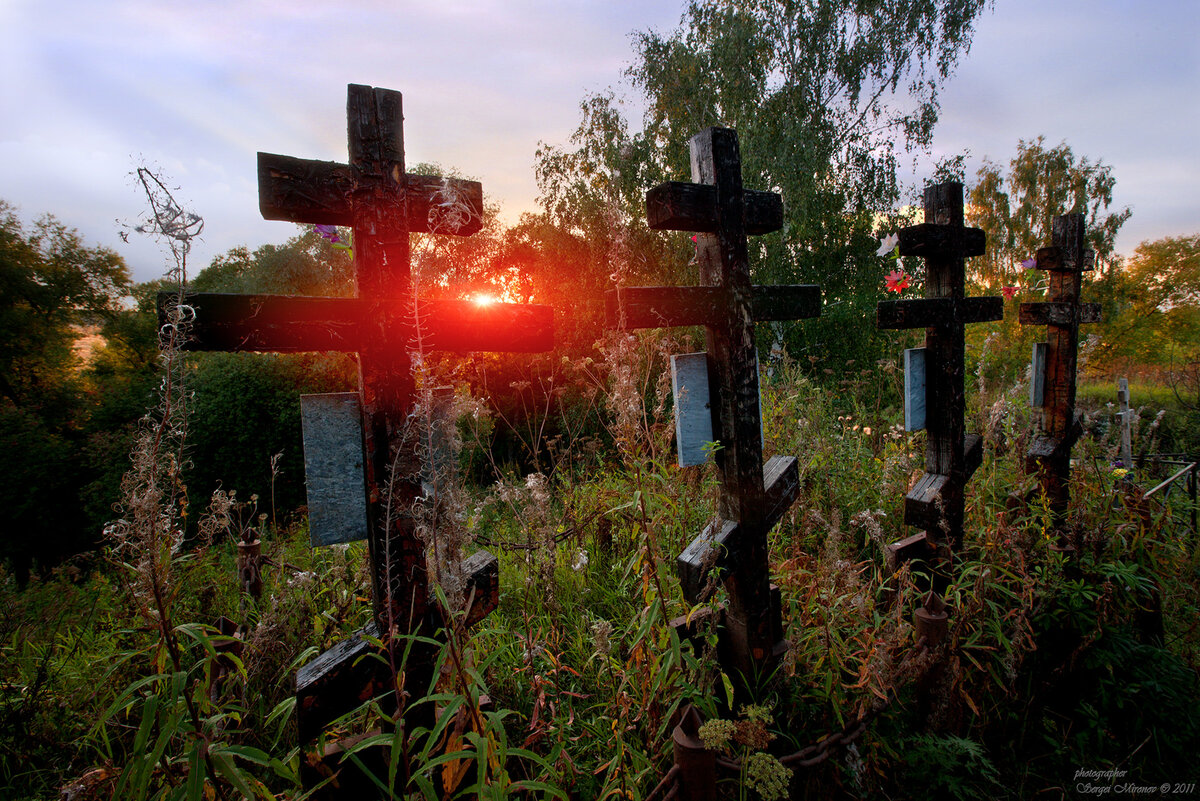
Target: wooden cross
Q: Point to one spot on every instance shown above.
(1062, 313)
(383, 204)
(753, 497)
(936, 504)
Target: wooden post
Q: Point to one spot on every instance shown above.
(753, 496)
(1126, 424)
(1062, 313)
(383, 204)
(936, 504)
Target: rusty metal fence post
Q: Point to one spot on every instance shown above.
(697, 765)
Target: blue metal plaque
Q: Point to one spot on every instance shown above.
(914, 389)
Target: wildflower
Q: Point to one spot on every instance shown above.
(1120, 472)
(581, 561)
(767, 776)
(327, 232)
(717, 734)
(888, 244)
(1009, 291)
(601, 631)
(1029, 264)
(897, 281)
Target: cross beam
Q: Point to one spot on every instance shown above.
(295, 324)
(753, 496)
(383, 204)
(936, 503)
(1050, 454)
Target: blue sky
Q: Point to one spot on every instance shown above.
(197, 88)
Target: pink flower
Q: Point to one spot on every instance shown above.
(897, 281)
(327, 232)
(1009, 291)
(1029, 264)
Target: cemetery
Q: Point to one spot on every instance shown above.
(616, 507)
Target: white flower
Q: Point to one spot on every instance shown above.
(888, 244)
(581, 561)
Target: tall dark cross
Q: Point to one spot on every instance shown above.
(936, 503)
(383, 204)
(753, 498)
(1050, 454)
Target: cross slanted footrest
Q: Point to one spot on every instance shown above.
(383, 204)
(936, 502)
(753, 497)
(1062, 313)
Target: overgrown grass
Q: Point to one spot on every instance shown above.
(1049, 666)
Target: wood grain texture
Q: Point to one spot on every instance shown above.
(716, 548)
(937, 501)
(678, 206)
(1062, 313)
(667, 307)
(383, 204)
(722, 213)
(930, 312)
(296, 323)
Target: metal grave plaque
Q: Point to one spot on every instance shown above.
(333, 468)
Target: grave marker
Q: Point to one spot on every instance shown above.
(383, 204)
(753, 497)
(936, 504)
(693, 407)
(914, 389)
(333, 468)
(1052, 381)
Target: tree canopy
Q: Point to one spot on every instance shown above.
(51, 285)
(1017, 209)
(826, 96)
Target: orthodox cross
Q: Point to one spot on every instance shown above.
(753, 497)
(936, 503)
(383, 205)
(1055, 360)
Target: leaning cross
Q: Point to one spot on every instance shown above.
(383, 204)
(936, 503)
(1055, 361)
(753, 498)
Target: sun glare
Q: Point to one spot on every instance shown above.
(483, 299)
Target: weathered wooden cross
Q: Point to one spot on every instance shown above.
(383, 205)
(1054, 363)
(936, 504)
(753, 498)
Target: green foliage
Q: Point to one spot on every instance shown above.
(826, 97)
(246, 409)
(1017, 210)
(1045, 670)
(52, 287)
(949, 767)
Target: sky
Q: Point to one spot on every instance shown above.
(195, 89)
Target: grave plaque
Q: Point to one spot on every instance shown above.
(693, 411)
(1037, 375)
(333, 468)
(914, 389)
